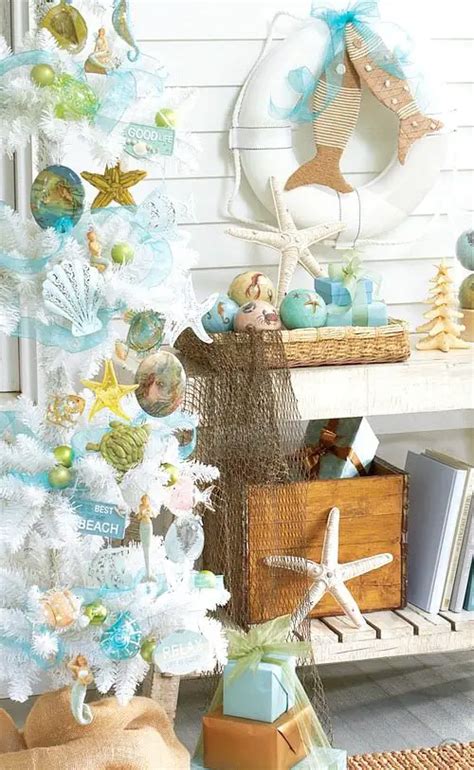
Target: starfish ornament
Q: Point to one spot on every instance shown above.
(113, 185)
(292, 243)
(329, 575)
(108, 392)
(188, 314)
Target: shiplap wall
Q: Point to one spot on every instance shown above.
(212, 45)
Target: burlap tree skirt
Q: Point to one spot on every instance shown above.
(134, 737)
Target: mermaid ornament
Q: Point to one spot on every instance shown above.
(356, 54)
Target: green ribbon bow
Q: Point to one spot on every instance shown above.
(351, 272)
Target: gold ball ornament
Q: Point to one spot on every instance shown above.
(96, 613)
(60, 477)
(166, 118)
(64, 455)
(60, 608)
(42, 75)
(147, 649)
(251, 285)
(173, 473)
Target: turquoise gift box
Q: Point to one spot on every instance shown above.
(260, 694)
(375, 314)
(336, 293)
(329, 759)
(345, 447)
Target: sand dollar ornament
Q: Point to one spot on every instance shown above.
(146, 331)
(257, 315)
(57, 198)
(303, 309)
(465, 249)
(123, 639)
(67, 26)
(161, 382)
(251, 285)
(220, 318)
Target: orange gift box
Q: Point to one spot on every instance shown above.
(231, 743)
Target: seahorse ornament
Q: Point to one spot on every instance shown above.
(121, 24)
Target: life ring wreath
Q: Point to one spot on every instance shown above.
(347, 50)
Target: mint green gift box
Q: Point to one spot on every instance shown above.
(259, 693)
(374, 314)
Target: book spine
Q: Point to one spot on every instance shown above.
(458, 541)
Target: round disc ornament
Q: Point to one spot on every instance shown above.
(183, 651)
(161, 382)
(67, 26)
(57, 198)
(146, 331)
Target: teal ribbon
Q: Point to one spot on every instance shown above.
(54, 335)
(26, 649)
(362, 16)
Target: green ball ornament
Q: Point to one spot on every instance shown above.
(96, 613)
(60, 477)
(122, 253)
(42, 75)
(466, 293)
(147, 649)
(166, 118)
(64, 455)
(205, 579)
(173, 473)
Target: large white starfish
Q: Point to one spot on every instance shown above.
(329, 575)
(188, 314)
(292, 243)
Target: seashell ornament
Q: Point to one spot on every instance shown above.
(75, 291)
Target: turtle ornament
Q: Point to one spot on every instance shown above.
(123, 446)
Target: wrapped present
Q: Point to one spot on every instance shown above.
(263, 693)
(339, 448)
(336, 293)
(231, 743)
(374, 314)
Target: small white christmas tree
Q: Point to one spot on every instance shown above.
(441, 329)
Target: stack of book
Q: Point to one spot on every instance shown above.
(440, 532)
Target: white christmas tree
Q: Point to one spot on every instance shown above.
(107, 444)
(441, 329)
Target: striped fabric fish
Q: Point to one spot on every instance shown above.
(336, 110)
(392, 91)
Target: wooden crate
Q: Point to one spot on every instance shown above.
(373, 520)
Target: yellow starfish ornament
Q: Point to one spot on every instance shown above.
(113, 185)
(108, 392)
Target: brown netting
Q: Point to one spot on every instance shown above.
(250, 428)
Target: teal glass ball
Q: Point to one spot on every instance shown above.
(466, 293)
(220, 318)
(57, 198)
(465, 249)
(303, 309)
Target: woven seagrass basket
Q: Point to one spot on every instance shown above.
(326, 346)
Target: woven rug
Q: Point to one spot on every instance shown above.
(452, 756)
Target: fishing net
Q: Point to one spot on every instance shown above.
(250, 428)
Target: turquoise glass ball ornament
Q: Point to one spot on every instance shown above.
(303, 309)
(122, 640)
(57, 198)
(184, 540)
(42, 75)
(220, 318)
(465, 249)
(76, 99)
(145, 333)
(466, 293)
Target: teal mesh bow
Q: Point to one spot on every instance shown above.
(361, 15)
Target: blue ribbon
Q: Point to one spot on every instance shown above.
(54, 335)
(361, 15)
(26, 649)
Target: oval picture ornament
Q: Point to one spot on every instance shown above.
(183, 652)
(57, 198)
(161, 381)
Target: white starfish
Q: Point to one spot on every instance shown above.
(329, 575)
(292, 243)
(188, 314)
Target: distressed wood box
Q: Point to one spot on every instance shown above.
(373, 520)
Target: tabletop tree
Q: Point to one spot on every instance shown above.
(104, 289)
(441, 329)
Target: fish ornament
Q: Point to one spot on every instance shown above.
(121, 24)
(75, 291)
(357, 54)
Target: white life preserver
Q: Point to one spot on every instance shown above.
(263, 145)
